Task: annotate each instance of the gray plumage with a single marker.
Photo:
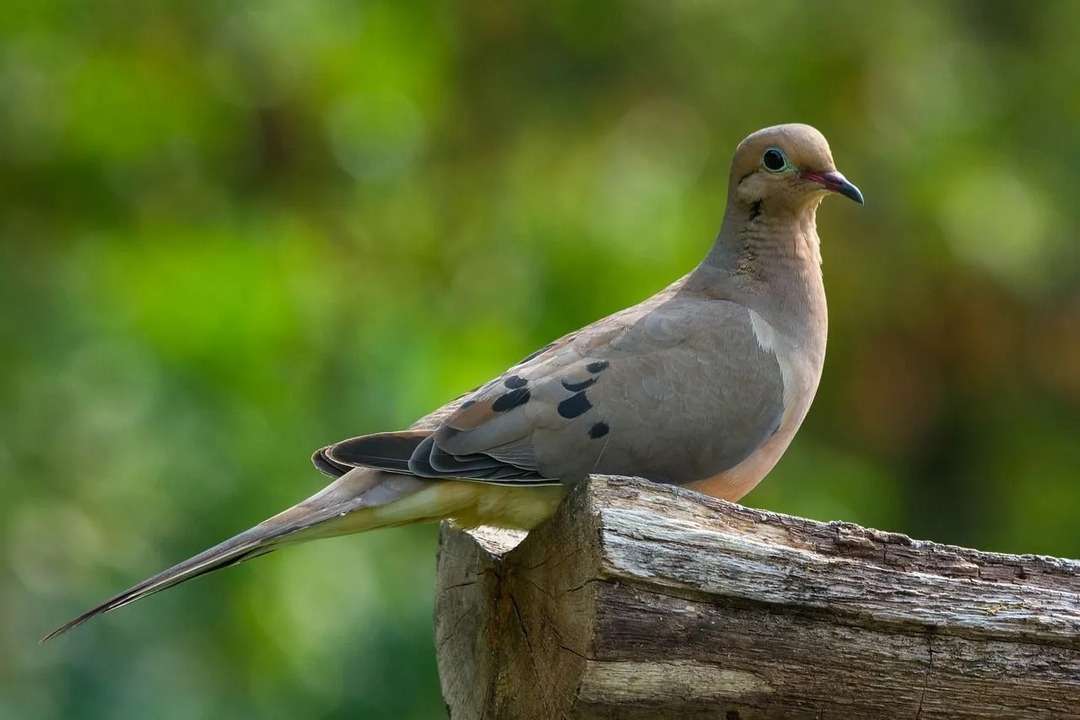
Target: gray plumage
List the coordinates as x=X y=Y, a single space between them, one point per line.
x=695 y=380
x=702 y=385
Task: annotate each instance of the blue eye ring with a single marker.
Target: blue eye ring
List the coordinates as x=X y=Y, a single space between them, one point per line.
x=774 y=160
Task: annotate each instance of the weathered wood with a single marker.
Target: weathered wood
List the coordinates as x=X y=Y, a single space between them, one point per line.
x=645 y=601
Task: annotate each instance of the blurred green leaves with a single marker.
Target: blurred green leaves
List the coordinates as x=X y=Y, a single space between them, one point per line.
x=233 y=232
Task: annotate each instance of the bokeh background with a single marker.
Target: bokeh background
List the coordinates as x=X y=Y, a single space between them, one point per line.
x=231 y=232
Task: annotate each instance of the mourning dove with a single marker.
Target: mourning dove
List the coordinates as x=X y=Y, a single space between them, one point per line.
x=702 y=385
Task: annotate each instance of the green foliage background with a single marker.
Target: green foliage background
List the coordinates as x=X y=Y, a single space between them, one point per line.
x=231 y=232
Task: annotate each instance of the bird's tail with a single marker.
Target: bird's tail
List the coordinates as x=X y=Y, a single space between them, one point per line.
x=361 y=499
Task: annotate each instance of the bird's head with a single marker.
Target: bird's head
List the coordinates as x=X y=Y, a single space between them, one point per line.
x=786 y=167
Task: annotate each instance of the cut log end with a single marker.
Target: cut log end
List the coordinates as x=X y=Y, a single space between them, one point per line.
x=641 y=601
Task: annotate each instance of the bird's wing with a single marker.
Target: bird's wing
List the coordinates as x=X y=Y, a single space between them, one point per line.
x=675 y=388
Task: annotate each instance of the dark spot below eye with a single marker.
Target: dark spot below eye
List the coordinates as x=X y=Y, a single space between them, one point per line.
x=597 y=367
x=576 y=386
x=511 y=400
x=599 y=430
x=755 y=209
x=515 y=381
x=574 y=405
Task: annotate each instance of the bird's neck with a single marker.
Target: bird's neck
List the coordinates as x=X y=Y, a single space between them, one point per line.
x=768 y=259
x=757 y=242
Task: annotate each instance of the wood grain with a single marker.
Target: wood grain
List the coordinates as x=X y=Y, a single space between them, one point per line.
x=641 y=601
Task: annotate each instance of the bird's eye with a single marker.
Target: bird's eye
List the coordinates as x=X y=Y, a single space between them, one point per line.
x=774 y=160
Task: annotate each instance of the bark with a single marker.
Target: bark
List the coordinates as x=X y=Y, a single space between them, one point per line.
x=640 y=601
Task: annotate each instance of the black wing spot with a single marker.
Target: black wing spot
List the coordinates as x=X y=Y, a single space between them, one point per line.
x=577 y=386
x=467 y=404
x=599 y=430
x=574 y=405
x=511 y=400
x=515 y=381
x=597 y=367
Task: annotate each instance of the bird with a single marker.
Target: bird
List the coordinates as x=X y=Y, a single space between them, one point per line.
x=702 y=385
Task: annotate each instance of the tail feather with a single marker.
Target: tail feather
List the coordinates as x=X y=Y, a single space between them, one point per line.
x=386 y=451
x=331 y=512
x=321 y=459
x=242 y=547
x=361 y=499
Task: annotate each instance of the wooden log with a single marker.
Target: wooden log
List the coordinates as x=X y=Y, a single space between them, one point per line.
x=642 y=601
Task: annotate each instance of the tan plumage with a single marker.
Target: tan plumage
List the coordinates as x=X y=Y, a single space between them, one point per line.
x=703 y=385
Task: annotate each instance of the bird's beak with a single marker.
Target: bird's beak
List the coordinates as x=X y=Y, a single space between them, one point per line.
x=834 y=181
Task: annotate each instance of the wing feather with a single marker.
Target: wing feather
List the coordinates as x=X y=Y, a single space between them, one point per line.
x=599 y=400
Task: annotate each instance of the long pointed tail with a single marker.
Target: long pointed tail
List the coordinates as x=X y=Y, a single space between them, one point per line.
x=259 y=540
x=362 y=499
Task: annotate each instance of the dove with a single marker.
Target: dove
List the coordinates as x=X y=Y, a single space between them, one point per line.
x=702 y=385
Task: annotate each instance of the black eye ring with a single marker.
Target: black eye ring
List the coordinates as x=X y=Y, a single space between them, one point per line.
x=773 y=160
